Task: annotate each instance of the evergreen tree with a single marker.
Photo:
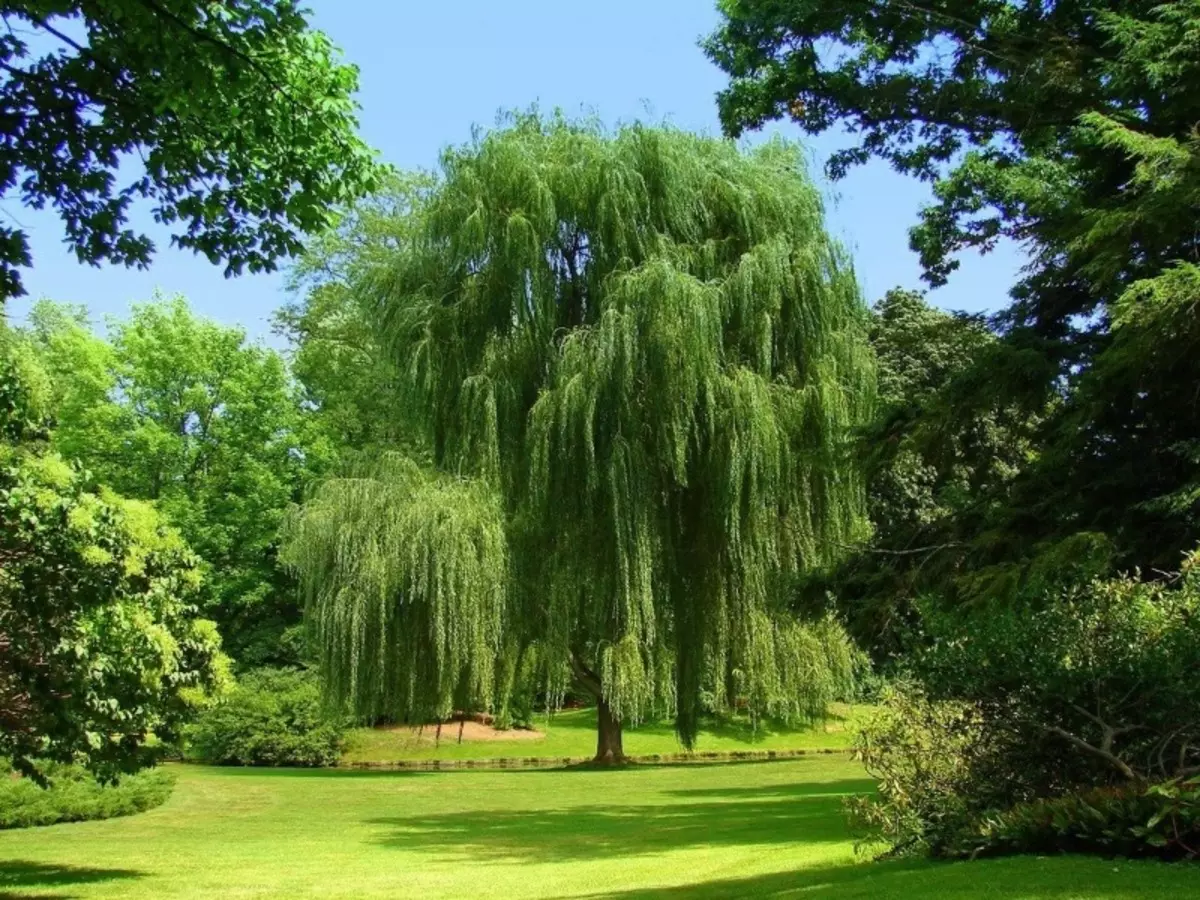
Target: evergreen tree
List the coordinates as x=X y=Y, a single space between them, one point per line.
x=635 y=358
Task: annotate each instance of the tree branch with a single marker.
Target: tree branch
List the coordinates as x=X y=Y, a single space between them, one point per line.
x=586 y=676
x=1116 y=762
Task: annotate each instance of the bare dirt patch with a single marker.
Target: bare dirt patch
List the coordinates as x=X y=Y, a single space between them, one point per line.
x=471 y=732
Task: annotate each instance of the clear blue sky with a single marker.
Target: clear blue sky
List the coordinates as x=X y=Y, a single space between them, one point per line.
x=430 y=71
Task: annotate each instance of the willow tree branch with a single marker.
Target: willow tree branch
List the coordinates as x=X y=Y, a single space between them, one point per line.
x=585 y=676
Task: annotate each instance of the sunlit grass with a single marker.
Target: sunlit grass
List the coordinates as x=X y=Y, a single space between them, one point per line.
x=726 y=831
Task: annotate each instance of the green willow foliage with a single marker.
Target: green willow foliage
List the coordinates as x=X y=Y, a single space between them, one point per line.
x=404 y=575
x=640 y=355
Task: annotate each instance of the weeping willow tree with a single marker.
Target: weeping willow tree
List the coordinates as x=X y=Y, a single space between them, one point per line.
x=636 y=357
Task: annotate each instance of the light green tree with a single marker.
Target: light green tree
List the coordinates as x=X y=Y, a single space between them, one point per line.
x=635 y=358
x=184 y=412
x=101 y=647
x=350 y=384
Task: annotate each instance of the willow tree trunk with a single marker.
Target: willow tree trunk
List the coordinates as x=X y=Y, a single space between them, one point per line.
x=609 y=751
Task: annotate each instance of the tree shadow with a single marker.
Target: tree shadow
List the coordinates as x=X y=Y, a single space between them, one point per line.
x=17 y=875
x=800 y=789
x=807 y=813
x=1015 y=878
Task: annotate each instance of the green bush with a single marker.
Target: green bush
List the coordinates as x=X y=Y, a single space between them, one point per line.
x=1093 y=689
x=1094 y=686
x=1161 y=820
x=273 y=717
x=924 y=754
x=74 y=795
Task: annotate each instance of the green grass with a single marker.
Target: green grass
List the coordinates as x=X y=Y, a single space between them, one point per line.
x=732 y=831
x=572 y=733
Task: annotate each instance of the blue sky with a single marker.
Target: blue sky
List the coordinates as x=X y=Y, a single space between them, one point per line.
x=430 y=71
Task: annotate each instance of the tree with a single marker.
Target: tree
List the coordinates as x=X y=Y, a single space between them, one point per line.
x=940 y=457
x=184 y=412
x=234 y=120
x=101 y=648
x=636 y=358
x=1068 y=127
x=350 y=383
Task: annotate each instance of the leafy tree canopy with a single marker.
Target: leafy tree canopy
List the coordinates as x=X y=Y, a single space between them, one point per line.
x=101 y=647
x=233 y=119
x=351 y=385
x=1066 y=126
x=636 y=358
x=184 y=412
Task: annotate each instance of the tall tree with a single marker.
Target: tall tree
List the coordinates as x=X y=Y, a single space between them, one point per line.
x=1067 y=126
x=233 y=119
x=636 y=358
x=940 y=457
x=185 y=412
x=101 y=646
x=349 y=382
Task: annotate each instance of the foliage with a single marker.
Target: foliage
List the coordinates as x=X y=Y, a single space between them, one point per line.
x=925 y=757
x=1070 y=128
x=1093 y=688
x=24 y=391
x=1159 y=820
x=185 y=412
x=241 y=117
x=74 y=795
x=935 y=468
x=405 y=576
x=101 y=644
x=636 y=357
x=273 y=717
x=349 y=383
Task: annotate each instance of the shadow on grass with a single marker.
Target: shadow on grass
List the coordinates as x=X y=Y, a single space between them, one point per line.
x=806 y=813
x=803 y=789
x=1018 y=878
x=17 y=876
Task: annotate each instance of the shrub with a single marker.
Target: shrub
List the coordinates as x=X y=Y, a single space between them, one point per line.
x=1160 y=820
x=924 y=755
x=101 y=647
x=74 y=795
x=274 y=717
x=1094 y=689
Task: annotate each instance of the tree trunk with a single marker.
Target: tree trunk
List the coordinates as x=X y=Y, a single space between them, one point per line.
x=609 y=751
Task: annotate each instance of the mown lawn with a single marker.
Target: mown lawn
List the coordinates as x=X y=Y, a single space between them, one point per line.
x=749 y=830
x=572 y=733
